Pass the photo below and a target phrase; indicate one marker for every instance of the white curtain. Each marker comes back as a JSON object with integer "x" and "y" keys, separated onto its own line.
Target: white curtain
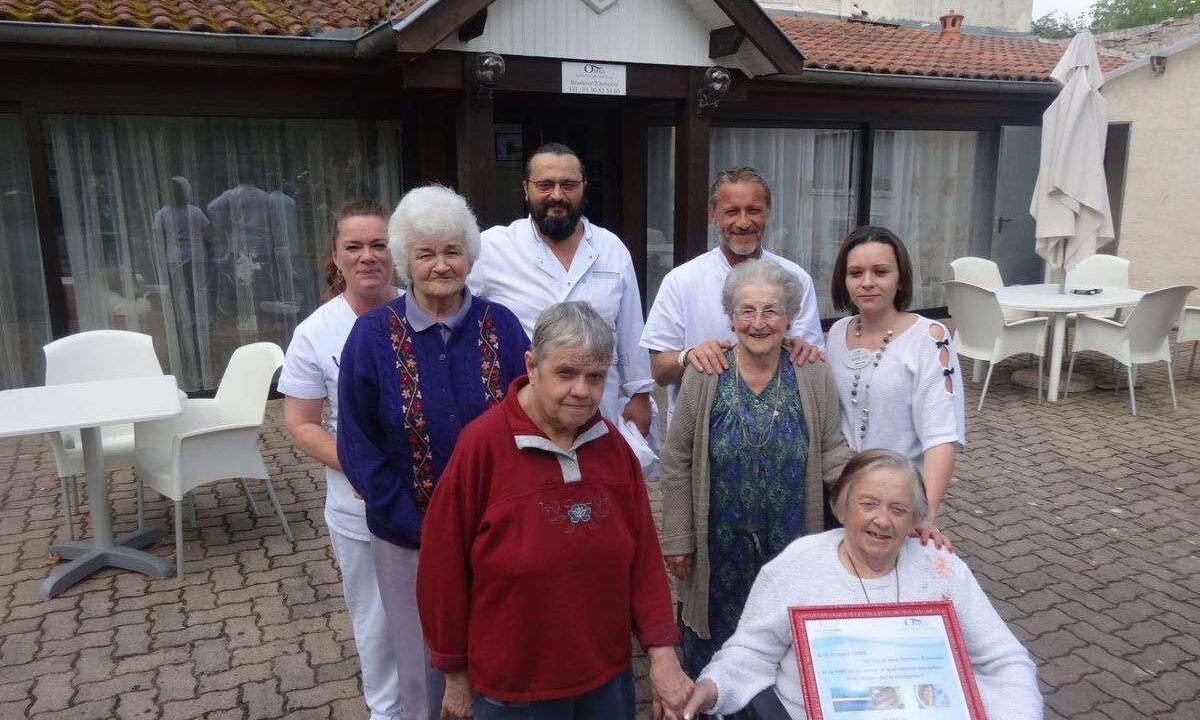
{"x": 814, "y": 190}
{"x": 207, "y": 233}
{"x": 24, "y": 315}
{"x": 660, "y": 208}
{"x": 923, "y": 189}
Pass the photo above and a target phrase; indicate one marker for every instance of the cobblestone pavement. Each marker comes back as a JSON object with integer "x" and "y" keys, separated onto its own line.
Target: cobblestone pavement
{"x": 1080, "y": 521}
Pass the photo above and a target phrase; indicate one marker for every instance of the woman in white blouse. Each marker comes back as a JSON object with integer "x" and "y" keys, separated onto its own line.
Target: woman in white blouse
{"x": 360, "y": 276}
{"x": 897, "y": 375}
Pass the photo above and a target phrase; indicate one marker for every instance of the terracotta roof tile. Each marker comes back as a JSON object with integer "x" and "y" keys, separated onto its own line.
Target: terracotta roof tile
{"x": 833, "y": 44}
{"x": 261, "y": 17}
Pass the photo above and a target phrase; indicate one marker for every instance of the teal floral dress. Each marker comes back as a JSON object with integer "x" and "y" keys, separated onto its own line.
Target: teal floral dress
{"x": 756, "y": 481}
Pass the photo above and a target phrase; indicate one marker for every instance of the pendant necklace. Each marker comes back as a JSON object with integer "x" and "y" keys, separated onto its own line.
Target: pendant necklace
{"x": 863, "y": 585}
{"x": 859, "y": 360}
{"x": 763, "y": 432}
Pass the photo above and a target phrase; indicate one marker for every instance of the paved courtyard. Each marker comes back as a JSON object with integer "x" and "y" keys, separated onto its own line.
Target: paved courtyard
{"x": 1080, "y": 521}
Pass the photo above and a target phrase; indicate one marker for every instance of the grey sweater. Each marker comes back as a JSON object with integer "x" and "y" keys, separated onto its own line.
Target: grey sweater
{"x": 685, "y": 481}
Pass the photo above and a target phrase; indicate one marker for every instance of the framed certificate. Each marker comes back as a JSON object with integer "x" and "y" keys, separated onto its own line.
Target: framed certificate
{"x": 892, "y": 661}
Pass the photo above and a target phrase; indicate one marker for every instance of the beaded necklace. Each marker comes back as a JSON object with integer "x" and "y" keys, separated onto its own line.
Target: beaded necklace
{"x": 858, "y": 360}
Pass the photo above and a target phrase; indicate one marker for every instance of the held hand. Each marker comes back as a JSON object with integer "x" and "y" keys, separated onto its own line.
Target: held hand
{"x": 668, "y": 682}
{"x": 637, "y": 411}
{"x": 456, "y": 700}
{"x": 679, "y": 565}
{"x": 927, "y": 531}
{"x": 709, "y": 356}
{"x": 704, "y": 696}
{"x": 802, "y": 353}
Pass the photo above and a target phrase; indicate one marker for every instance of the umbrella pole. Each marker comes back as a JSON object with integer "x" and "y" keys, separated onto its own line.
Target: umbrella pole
{"x": 1062, "y": 285}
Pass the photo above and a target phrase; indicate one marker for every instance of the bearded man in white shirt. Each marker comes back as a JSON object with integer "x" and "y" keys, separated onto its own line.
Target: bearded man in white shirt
{"x": 687, "y": 324}
{"x": 554, "y": 254}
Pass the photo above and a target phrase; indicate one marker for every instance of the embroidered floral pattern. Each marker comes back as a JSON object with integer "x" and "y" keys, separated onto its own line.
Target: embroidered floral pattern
{"x": 941, "y": 567}
{"x": 570, "y": 514}
{"x": 489, "y": 358}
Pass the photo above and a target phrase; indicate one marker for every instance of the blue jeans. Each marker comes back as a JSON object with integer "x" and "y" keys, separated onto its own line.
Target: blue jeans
{"x": 611, "y": 701}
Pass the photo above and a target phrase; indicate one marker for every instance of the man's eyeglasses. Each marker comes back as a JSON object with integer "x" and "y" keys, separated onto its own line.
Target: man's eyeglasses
{"x": 547, "y": 186}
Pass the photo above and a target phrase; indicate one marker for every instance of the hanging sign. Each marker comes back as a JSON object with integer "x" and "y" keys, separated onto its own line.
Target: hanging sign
{"x": 593, "y": 79}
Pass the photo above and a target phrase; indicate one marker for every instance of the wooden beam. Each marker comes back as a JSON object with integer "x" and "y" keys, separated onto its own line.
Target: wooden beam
{"x": 691, "y": 174}
{"x": 725, "y": 41}
{"x": 43, "y": 207}
{"x": 473, "y": 28}
{"x": 436, "y": 24}
{"x": 762, "y": 31}
{"x": 476, "y": 147}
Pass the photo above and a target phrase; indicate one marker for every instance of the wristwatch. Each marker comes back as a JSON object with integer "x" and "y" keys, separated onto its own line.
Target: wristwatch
{"x": 683, "y": 357}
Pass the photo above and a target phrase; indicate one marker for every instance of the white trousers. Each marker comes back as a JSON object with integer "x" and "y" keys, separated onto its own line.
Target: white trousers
{"x": 381, "y": 682}
{"x": 420, "y": 684}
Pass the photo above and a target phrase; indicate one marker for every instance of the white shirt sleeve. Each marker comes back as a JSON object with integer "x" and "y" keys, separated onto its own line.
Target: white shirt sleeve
{"x": 302, "y": 376}
{"x": 807, "y": 325}
{"x": 634, "y": 360}
{"x": 665, "y": 329}
{"x": 936, "y": 411}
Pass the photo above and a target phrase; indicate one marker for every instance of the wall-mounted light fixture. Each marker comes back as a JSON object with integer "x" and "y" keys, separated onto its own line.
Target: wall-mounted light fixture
{"x": 489, "y": 69}
{"x": 716, "y": 83}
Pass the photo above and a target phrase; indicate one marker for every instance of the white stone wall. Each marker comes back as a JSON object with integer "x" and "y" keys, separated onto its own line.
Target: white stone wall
{"x": 997, "y": 14}
{"x": 1145, "y": 40}
{"x": 1158, "y": 223}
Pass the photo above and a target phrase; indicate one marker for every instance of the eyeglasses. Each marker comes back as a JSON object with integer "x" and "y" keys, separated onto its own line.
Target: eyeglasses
{"x": 546, "y": 187}
{"x": 750, "y": 314}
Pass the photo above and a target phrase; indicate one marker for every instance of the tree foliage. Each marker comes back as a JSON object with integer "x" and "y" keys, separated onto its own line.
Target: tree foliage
{"x": 1120, "y": 14}
{"x": 1056, "y": 26}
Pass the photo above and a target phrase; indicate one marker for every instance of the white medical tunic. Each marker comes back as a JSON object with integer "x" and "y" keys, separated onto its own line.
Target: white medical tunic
{"x": 518, "y": 270}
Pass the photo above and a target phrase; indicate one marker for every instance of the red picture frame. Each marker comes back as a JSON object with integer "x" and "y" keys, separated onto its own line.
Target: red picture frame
{"x": 799, "y": 616}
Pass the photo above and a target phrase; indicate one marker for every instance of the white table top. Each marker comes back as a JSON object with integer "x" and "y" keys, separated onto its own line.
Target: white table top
{"x": 1047, "y": 298}
{"x": 47, "y": 408}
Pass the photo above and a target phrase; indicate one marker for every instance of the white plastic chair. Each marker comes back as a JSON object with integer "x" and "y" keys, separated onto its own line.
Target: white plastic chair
{"x": 213, "y": 439}
{"x": 1189, "y": 331}
{"x": 982, "y": 333}
{"x": 985, "y": 274}
{"x": 96, "y": 355}
{"x": 1142, "y": 338}
{"x": 1100, "y": 271}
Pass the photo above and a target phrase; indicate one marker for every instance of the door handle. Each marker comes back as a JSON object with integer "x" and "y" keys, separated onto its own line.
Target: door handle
{"x": 1000, "y": 223}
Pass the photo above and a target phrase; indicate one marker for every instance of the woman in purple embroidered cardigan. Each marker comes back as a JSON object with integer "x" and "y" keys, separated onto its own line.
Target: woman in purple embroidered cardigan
{"x": 413, "y": 373}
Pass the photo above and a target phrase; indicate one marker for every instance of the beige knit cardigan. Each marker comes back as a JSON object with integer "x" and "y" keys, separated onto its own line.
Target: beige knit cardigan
{"x": 685, "y": 482}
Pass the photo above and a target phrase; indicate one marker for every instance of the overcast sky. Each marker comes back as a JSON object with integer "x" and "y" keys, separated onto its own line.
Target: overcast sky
{"x": 1070, "y": 7}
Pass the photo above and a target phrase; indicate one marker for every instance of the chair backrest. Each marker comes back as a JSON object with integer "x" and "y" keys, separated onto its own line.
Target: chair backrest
{"x": 100, "y": 355}
{"x": 1151, "y": 319}
{"x": 978, "y": 318}
{"x": 977, "y": 271}
{"x": 246, "y": 383}
{"x": 1102, "y": 270}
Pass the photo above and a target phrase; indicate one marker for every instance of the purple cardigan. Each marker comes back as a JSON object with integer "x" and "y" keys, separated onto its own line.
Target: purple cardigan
{"x": 403, "y": 397}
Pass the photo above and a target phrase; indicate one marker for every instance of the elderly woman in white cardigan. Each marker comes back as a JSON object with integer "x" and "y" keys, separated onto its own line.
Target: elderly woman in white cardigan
{"x": 879, "y": 497}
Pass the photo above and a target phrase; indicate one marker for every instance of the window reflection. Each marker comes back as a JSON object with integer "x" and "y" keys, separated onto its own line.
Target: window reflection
{"x": 206, "y": 233}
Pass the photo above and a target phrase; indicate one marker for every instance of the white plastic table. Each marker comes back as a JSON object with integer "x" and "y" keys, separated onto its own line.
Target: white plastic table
{"x": 1049, "y": 299}
{"x": 88, "y": 406}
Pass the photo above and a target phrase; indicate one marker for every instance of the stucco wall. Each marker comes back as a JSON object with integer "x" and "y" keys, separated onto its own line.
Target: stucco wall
{"x": 999, "y": 14}
{"x": 1162, "y": 193}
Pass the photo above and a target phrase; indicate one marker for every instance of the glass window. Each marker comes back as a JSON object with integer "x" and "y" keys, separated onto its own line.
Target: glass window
{"x": 24, "y": 314}
{"x": 814, "y": 190}
{"x": 924, "y": 187}
{"x": 660, "y": 208}
{"x": 206, "y": 233}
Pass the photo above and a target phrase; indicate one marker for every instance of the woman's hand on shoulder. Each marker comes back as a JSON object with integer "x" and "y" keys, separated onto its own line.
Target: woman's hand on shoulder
{"x": 926, "y": 531}
{"x": 457, "y": 700}
{"x": 679, "y": 565}
{"x": 801, "y": 352}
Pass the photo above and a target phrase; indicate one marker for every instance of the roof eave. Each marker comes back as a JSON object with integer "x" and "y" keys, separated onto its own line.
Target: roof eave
{"x": 928, "y": 82}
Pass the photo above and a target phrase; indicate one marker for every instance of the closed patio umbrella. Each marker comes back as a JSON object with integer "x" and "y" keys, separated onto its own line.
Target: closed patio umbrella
{"x": 1070, "y": 200}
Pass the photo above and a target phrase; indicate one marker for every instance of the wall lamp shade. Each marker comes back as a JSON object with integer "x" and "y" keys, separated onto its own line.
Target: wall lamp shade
{"x": 489, "y": 69}
{"x": 716, "y": 83}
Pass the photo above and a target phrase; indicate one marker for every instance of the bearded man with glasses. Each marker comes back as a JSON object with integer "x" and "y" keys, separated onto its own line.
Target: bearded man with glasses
{"x": 555, "y": 254}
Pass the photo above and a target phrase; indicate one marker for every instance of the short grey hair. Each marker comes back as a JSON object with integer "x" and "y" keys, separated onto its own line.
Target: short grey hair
{"x": 572, "y": 324}
{"x": 862, "y": 463}
{"x": 428, "y": 212}
{"x": 766, "y": 272}
{"x": 735, "y": 175}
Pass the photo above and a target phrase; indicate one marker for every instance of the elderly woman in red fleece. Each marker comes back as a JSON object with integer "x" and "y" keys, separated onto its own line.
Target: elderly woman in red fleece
{"x": 539, "y": 554}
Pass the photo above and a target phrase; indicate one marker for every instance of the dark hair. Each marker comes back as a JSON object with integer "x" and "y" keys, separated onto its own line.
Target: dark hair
{"x": 554, "y": 148}
{"x": 335, "y": 284}
{"x": 739, "y": 174}
{"x": 861, "y": 236}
